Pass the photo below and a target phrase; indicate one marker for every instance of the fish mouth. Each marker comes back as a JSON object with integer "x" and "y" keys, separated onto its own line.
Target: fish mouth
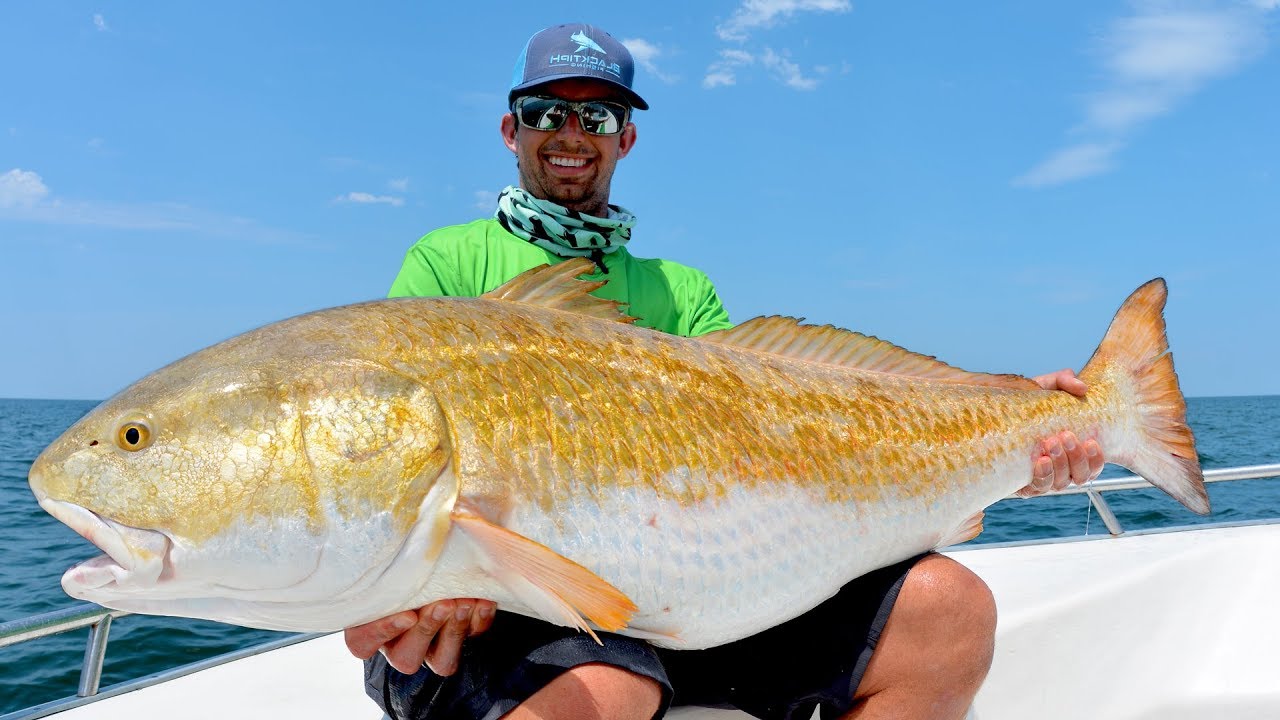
{"x": 135, "y": 558}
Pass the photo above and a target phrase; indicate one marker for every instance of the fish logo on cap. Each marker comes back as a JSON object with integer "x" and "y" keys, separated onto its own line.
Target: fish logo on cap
{"x": 585, "y": 42}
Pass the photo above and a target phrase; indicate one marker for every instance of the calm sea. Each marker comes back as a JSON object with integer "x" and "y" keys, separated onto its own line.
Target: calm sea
{"x": 35, "y": 549}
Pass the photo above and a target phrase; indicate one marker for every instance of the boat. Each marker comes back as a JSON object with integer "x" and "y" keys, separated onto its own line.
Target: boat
{"x": 1176, "y": 623}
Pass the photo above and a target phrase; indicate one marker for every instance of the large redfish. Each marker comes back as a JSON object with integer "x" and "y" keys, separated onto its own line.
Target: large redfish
{"x": 532, "y": 447}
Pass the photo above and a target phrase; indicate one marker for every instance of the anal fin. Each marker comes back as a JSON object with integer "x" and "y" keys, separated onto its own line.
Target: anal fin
{"x": 968, "y": 530}
{"x": 557, "y": 588}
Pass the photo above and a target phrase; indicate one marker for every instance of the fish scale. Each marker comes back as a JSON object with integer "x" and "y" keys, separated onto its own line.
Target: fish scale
{"x": 688, "y": 459}
{"x": 532, "y": 447}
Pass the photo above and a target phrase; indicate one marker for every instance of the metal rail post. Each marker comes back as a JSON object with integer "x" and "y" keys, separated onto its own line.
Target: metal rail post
{"x": 94, "y": 652}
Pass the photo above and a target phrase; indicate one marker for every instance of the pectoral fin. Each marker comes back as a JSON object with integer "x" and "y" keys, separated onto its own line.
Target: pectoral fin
{"x": 557, "y": 588}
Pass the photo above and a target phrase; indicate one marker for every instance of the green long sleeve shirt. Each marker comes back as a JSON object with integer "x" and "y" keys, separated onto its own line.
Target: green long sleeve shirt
{"x": 472, "y": 259}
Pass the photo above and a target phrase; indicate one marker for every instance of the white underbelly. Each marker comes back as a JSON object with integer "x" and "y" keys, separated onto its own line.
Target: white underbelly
{"x": 724, "y": 568}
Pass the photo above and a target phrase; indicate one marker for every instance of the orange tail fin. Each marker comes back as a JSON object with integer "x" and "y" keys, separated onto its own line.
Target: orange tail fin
{"x": 1166, "y": 451}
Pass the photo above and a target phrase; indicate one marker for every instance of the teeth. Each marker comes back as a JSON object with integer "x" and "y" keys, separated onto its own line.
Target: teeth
{"x": 566, "y": 162}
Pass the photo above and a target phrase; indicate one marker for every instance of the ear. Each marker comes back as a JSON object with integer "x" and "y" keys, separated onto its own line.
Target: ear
{"x": 508, "y": 130}
{"x": 627, "y": 140}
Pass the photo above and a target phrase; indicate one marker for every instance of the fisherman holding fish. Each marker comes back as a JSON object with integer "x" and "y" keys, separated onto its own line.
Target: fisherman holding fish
{"x": 668, "y": 512}
{"x": 913, "y": 640}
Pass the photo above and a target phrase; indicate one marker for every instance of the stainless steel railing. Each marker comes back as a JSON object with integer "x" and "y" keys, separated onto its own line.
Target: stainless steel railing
{"x": 1133, "y": 482}
{"x": 98, "y": 619}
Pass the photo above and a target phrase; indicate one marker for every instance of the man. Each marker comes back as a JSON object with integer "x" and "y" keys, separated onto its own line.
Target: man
{"x": 911, "y": 641}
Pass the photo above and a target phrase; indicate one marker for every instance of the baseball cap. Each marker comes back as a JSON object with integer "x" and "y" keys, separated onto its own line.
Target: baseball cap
{"x": 575, "y": 51}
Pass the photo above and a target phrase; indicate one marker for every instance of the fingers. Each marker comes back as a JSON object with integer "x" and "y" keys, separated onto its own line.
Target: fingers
{"x": 442, "y": 656}
{"x": 1083, "y": 458}
{"x": 364, "y": 640}
{"x": 1096, "y": 461}
{"x": 1064, "y": 379}
{"x": 1041, "y": 477}
{"x": 482, "y": 617}
{"x": 1077, "y": 460}
{"x": 435, "y": 635}
{"x": 446, "y": 650}
{"x": 407, "y": 652}
{"x": 1072, "y": 384}
{"x": 1061, "y": 463}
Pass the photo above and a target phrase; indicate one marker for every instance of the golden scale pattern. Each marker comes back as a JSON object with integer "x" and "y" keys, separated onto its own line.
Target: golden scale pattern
{"x": 541, "y": 401}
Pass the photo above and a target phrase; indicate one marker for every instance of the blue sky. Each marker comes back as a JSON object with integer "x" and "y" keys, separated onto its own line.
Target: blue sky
{"x": 984, "y": 182}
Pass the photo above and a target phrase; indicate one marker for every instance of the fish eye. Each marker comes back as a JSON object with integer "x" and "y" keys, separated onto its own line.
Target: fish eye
{"x": 133, "y": 435}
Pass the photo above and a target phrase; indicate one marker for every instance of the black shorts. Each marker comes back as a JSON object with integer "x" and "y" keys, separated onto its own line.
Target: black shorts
{"x": 817, "y": 659}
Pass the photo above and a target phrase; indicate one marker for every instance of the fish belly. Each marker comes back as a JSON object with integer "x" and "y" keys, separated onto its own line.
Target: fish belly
{"x": 725, "y": 569}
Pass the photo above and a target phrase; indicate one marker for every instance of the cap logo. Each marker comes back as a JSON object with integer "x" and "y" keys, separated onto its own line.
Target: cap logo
{"x": 585, "y": 42}
{"x": 589, "y": 63}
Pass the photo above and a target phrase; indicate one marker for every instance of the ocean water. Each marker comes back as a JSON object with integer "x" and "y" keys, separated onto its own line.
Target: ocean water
{"x": 35, "y": 549}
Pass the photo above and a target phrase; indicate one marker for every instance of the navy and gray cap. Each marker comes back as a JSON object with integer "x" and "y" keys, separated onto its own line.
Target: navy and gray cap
{"x": 575, "y": 51}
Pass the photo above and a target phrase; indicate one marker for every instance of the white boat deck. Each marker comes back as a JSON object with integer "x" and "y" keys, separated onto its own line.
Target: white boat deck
{"x": 1173, "y": 626}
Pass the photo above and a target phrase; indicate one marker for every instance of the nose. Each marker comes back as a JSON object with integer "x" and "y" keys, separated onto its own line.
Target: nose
{"x": 572, "y": 127}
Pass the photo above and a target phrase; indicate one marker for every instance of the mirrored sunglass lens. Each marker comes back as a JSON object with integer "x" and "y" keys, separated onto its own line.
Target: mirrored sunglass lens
{"x": 600, "y": 119}
{"x": 543, "y": 114}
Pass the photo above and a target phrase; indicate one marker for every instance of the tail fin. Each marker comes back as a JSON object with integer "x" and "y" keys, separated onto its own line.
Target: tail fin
{"x": 1136, "y": 343}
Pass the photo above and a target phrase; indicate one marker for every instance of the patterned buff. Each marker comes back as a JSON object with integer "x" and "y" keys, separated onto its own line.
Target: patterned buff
{"x": 565, "y": 232}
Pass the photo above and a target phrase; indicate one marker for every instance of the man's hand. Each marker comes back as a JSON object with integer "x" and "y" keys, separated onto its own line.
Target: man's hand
{"x": 1063, "y": 460}
{"x": 431, "y": 635}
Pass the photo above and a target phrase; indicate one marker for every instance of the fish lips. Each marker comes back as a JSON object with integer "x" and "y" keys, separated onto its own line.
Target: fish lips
{"x": 135, "y": 558}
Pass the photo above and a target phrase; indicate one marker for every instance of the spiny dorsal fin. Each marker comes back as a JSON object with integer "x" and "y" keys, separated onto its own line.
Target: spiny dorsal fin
{"x": 790, "y": 338}
{"x": 557, "y": 286}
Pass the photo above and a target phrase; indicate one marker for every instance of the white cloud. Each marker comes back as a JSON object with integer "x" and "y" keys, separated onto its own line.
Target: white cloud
{"x": 486, "y": 200}
{"x": 100, "y": 22}
{"x": 644, "y": 53}
{"x": 718, "y": 77}
{"x": 752, "y": 14}
{"x": 723, "y": 72}
{"x": 364, "y": 198}
{"x": 1157, "y": 60}
{"x": 1071, "y": 163}
{"x": 787, "y": 71}
{"x": 25, "y": 198}
{"x": 398, "y": 184}
{"x": 21, "y": 188}
{"x": 1154, "y": 60}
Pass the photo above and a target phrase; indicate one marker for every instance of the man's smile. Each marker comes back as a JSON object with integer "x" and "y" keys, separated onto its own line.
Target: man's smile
{"x": 572, "y": 169}
{"x": 566, "y": 161}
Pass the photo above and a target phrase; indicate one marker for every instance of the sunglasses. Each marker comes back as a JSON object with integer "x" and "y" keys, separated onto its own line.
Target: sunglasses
{"x": 597, "y": 117}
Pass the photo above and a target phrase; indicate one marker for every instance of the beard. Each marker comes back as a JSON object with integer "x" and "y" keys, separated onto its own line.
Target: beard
{"x": 588, "y": 195}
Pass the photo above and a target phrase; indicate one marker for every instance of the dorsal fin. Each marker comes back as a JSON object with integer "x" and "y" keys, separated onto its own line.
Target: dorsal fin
{"x": 788, "y": 337}
{"x": 557, "y": 286}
